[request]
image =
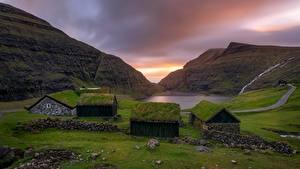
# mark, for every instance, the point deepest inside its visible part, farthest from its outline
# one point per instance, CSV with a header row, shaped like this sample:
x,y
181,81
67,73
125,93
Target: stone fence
x,y
69,124
247,141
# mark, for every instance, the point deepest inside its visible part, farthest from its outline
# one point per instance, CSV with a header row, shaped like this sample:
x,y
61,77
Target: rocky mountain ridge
x,y
226,71
36,59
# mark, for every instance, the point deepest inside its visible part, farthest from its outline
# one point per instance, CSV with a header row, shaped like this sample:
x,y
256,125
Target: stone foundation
x,y
223,127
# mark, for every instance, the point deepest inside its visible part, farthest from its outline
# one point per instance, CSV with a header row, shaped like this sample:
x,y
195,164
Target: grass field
x,y
174,156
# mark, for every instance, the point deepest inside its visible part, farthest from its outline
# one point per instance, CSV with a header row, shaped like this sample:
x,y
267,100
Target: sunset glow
x,y
157,73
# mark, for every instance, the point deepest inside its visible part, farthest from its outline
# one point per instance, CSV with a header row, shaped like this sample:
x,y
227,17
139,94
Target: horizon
x,y
158,37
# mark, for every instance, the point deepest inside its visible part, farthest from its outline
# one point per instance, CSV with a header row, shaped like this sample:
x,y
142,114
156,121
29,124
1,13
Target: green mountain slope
x,y
226,71
36,58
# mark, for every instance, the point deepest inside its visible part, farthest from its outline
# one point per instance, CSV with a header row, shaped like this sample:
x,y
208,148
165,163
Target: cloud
x,y
152,33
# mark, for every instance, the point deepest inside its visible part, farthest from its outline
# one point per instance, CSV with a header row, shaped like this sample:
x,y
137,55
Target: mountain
x,y
226,71
37,58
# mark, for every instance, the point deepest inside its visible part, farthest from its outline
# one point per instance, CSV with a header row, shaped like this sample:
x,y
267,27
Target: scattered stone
x,y
233,162
189,140
69,124
158,162
48,159
137,147
28,152
94,155
105,166
202,149
247,152
152,144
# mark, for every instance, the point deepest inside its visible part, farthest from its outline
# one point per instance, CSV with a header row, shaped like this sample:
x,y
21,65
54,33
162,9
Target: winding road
x,y
279,103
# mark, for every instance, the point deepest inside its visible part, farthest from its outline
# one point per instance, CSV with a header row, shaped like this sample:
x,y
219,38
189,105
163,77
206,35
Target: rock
x,y
202,149
233,162
247,152
158,162
28,152
105,166
94,155
137,147
152,144
203,142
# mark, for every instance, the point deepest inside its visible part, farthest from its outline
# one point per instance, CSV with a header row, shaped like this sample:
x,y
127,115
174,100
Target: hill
x,y
227,71
36,58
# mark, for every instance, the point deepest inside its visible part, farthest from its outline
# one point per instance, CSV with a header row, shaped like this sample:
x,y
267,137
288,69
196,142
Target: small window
x,y
48,105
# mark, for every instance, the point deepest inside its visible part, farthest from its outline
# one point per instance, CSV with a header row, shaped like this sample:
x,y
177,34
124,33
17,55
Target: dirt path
x,y
279,103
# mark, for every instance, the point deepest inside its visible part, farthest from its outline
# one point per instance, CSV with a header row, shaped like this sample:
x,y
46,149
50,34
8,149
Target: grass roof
x,y
68,97
205,110
96,99
150,111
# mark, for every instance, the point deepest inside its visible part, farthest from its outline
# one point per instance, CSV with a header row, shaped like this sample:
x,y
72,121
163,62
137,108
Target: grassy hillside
x,y
173,156
286,118
256,98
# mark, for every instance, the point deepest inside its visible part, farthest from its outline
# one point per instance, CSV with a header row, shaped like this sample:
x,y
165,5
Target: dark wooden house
x,y
155,119
210,116
48,105
97,104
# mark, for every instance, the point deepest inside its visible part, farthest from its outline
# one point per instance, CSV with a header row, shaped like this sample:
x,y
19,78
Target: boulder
x,y
152,144
202,149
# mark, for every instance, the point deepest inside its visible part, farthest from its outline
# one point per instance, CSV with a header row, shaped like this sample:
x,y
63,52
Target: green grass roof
x,y
151,111
95,99
205,110
69,97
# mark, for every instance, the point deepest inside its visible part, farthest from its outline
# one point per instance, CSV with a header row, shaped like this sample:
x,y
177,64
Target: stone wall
x,y
247,141
49,106
223,127
69,124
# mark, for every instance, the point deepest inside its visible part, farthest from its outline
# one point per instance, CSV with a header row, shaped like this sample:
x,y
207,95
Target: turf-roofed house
x,y
97,105
210,116
50,105
155,119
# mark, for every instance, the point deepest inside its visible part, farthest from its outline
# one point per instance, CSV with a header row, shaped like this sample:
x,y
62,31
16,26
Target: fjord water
x,y
186,102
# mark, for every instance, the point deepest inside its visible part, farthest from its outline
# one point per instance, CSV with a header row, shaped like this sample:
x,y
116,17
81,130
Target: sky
x,y
160,36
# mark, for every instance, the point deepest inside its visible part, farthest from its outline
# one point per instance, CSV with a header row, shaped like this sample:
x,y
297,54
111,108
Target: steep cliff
x,y
226,71
36,58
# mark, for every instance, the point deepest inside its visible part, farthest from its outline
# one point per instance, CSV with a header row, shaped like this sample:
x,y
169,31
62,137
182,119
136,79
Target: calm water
x,y
187,101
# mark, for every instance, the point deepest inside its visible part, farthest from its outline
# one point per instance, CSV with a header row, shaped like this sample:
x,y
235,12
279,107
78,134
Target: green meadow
x,y
120,148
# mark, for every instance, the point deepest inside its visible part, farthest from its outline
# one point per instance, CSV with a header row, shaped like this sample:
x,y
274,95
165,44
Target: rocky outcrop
x,y
226,71
36,59
69,124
